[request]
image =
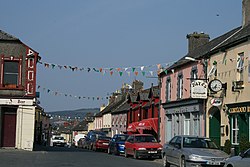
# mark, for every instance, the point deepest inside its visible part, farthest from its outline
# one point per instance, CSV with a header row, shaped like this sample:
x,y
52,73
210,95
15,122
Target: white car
x,y
242,160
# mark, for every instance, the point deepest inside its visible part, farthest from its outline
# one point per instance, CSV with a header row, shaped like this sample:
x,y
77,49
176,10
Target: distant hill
x,y
74,113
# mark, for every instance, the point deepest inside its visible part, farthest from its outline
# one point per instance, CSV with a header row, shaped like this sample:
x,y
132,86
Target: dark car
x,y
142,145
186,150
101,143
117,144
91,138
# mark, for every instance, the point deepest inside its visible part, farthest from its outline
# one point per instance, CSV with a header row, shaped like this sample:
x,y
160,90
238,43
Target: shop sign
x,y
16,102
199,89
215,102
239,109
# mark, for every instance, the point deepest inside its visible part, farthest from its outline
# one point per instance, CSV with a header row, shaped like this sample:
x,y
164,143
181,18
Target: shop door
x,y
214,128
9,128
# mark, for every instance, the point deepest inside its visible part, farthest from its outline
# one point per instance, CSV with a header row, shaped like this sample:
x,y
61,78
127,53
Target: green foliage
x,y
227,146
244,143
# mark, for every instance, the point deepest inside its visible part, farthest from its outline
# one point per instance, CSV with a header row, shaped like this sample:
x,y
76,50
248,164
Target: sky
x,y
108,34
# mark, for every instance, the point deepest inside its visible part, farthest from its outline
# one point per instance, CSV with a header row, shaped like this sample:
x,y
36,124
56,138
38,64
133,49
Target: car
x,y
142,146
91,138
101,143
187,150
242,160
58,141
117,144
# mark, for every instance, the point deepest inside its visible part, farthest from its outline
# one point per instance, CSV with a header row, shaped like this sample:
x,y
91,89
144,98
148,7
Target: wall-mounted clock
x,y
215,85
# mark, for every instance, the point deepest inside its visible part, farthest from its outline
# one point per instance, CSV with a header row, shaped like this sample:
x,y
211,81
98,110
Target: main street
x,y
68,157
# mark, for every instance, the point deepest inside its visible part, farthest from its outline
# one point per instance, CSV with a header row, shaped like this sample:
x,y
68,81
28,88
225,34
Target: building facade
x,y
18,103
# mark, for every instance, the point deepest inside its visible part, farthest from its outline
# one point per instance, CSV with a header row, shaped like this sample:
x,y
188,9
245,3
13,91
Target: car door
x,y
169,149
129,144
177,151
245,160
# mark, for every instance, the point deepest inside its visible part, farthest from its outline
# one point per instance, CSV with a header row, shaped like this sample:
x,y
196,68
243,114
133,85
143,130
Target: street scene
x,y
125,83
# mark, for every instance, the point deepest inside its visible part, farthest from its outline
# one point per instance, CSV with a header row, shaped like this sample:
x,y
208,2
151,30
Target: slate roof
x,y
155,91
132,97
214,45
143,95
6,36
82,126
122,108
112,106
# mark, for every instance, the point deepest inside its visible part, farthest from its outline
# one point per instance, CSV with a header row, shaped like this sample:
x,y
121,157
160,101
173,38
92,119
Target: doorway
x,y
214,125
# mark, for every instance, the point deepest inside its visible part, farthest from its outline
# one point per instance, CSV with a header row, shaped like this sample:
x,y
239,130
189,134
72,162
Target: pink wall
x,y
186,71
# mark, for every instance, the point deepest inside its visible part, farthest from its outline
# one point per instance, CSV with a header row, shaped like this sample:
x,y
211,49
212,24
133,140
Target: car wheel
x,y
125,153
165,161
182,162
135,154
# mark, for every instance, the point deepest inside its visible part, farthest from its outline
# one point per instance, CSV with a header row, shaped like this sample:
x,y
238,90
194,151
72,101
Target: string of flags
x,y
136,70
57,93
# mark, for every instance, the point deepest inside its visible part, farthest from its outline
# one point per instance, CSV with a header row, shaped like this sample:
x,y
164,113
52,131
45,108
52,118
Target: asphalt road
x,y
68,157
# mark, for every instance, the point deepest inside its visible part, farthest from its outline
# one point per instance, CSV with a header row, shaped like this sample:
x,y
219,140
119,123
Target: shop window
x,y
196,129
169,128
187,124
10,73
235,130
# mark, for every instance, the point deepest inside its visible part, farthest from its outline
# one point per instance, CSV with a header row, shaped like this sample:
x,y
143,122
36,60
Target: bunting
x,y
145,70
57,93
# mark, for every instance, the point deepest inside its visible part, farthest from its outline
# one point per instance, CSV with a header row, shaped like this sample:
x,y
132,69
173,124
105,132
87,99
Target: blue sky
x,y
108,34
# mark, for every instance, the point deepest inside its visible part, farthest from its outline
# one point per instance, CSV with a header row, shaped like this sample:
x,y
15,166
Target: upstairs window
x,y
168,90
180,86
240,62
10,73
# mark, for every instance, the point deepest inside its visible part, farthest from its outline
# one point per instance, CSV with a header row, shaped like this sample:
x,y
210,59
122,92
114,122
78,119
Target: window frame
x,y
180,83
19,85
168,89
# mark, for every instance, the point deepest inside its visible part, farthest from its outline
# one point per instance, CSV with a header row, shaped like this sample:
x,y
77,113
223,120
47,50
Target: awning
x,y
132,127
149,124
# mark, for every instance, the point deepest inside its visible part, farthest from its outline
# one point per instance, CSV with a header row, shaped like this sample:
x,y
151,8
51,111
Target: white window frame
x,y
235,128
187,122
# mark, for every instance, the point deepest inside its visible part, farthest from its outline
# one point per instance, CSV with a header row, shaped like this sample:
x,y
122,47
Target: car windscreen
x,y
122,138
196,142
59,138
103,138
139,139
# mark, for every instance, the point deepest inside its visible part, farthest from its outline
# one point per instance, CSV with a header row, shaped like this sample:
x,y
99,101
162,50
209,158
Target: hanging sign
x,y
199,89
216,102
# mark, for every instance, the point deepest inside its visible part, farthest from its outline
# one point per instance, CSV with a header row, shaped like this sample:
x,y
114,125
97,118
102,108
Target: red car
x,y
142,145
101,143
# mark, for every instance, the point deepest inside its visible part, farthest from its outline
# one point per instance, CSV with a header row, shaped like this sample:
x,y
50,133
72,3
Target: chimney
x,y
245,12
196,39
137,85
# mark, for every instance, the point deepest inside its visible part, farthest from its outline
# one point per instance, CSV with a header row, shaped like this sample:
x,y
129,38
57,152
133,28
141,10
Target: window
x,y
187,124
10,76
193,76
196,129
180,86
240,62
235,130
168,90
169,127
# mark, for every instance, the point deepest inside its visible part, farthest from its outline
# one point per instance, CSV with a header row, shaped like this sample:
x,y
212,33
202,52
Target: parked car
x,y
117,144
242,160
58,141
142,145
101,143
91,138
187,150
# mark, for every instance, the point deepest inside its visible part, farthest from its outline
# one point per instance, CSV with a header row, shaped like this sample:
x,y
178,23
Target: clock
x,y
215,85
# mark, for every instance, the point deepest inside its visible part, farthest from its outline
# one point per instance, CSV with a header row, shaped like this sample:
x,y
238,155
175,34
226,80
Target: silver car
x,y
243,160
192,151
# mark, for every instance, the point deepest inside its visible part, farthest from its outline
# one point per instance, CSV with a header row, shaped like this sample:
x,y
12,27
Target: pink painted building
x,y
181,113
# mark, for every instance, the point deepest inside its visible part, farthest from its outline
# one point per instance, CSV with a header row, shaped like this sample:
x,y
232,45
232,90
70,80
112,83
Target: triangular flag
x,y
100,69
125,69
143,73
48,90
53,66
133,69
142,68
151,73
128,73
166,71
136,73
111,73
158,66
118,69
120,73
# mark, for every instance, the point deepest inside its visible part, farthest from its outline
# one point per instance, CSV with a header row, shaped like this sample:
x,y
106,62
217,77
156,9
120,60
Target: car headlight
x,y
121,145
141,148
194,157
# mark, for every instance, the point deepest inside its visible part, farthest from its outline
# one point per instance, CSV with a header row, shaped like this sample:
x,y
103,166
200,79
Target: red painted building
x,y
144,111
